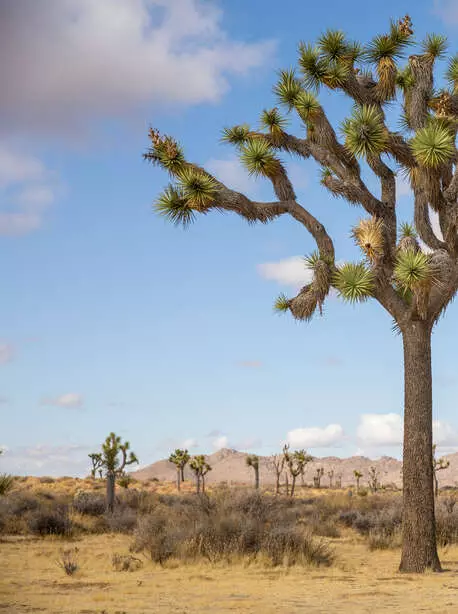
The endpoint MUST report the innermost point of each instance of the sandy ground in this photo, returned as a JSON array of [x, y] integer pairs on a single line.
[[359, 581]]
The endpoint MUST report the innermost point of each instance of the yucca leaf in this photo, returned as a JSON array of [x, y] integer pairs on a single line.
[[354, 282], [412, 268], [368, 235], [433, 145], [166, 153], [452, 72], [288, 88], [332, 44], [307, 106], [272, 120], [389, 45], [407, 230], [173, 205], [199, 189], [434, 45], [405, 79], [237, 135], [282, 303], [258, 158], [364, 132], [314, 68]]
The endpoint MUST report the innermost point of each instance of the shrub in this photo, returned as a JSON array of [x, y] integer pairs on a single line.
[[6, 483], [383, 539], [46, 479], [50, 522], [125, 562], [21, 503], [290, 546], [122, 520], [69, 561], [90, 503]]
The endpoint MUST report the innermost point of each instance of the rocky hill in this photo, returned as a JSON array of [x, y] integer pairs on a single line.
[[229, 466]]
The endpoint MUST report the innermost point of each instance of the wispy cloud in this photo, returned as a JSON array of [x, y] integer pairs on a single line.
[[316, 437], [288, 272], [69, 399]]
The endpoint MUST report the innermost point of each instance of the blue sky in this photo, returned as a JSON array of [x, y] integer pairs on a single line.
[[111, 319]]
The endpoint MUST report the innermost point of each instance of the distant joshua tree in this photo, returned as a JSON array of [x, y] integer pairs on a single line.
[[277, 463], [358, 475], [295, 462], [180, 458], [317, 477], [113, 459], [331, 478], [200, 468], [339, 480], [253, 461], [438, 465], [374, 483]]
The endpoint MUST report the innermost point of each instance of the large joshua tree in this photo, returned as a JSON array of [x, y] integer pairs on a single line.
[[180, 458], [410, 270]]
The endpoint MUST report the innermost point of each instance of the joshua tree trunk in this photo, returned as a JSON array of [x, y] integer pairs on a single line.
[[436, 485], [419, 551], [256, 478], [203, 483], [286, 484], [293, 484], [357, 484], [182, 473], [178, 479], [111, 482], [198, 483], [277, 484]]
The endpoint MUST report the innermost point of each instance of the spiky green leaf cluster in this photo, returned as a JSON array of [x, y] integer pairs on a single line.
[[405, 79], [407, 230], [390, 45], [332, 44], [452, 72], [412, 268], [168, 154], [364, 131], [434, 144], [198, 187], [288, 88], [281, 303], [434, 45], [258, 158], [237, 135], [354, 282], [307, 106], [313, 66], [172, 205], [272, 120]]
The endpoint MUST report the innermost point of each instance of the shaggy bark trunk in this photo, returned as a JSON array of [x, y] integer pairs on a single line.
[[256, 478], [182, 473], [436, 485], [293, 484], [178, 479], [419, 550], [286, 484], [277, 484], [357, 484], [198, 483], [111, 481]]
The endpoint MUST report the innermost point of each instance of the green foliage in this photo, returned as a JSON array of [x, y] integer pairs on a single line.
[[288, 88], [252, 460], [115, 455], [364, 131], [390, 45], [282, 303], [405, 79], [165, 152], [314, 67], [258, 158], [6, 483], [272, 120], [198, 464], [332, 44], [412, 268], [434, 144], [408, 230], [435, 45], [354, 282], [180, 458], [452, 72], [199, 188], [237, 135], [173, 205], [307, 106]]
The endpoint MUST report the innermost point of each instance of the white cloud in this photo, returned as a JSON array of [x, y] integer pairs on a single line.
[[47, 460], [289, 272], [70, 399], [6, 352], [190, 443], [447, 10], [70, 61], [315, 437], [232, 173], [444, 434], [220, 442], [380, 429], [27, 189]]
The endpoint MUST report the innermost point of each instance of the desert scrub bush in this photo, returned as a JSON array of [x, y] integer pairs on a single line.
[[122, 520], [290, 546], [68, 561], [384, 539], [50, 522], [446, 524], [46, 479], [125, 562], [90, 503], [23, 502], [6, 483]]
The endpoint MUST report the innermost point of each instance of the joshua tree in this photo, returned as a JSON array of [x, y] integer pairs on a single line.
[[412, 271], [318, 476], [358, 475], [438, 465], [200, 468], [331, 478], [112, 461], [180, 458], [295, 462], [277, 462], [96, 460], [253, 461], [339, 480], [373, 479]]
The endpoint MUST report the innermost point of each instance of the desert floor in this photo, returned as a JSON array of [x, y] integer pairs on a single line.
[[359, 581]]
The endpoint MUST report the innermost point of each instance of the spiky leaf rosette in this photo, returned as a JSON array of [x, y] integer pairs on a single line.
[[452, 73], [288, 88], [407, 230], [364, 132], [387, 73], [314, 67], [354, 282], [412, 269], [307, 107], [389, 45], [433, 145], [173, 205], [237, 135], [408, 238], [165, 152], [434, 45], [199, 188], [282, 303], [405, 79], [273, 122], [332, 45], [368, 234], [259, 158]]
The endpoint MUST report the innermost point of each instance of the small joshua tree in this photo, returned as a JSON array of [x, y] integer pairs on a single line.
[[317, 477], [339, 480], [410, 270], [112, 461], [358, 475], [253, 461], [331, 478], [277, 463], [180, 458], [438, 465], [96, 460], [200, 468], [295, 462], [373, 480]]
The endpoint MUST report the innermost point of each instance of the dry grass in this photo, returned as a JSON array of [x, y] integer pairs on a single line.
[[360, 581]]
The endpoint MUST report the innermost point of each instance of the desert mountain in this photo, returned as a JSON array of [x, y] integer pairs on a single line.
[[230, 466]]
